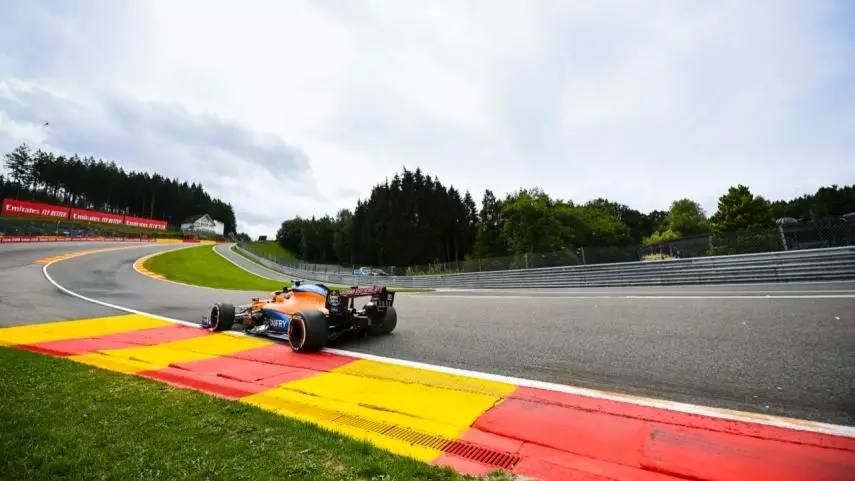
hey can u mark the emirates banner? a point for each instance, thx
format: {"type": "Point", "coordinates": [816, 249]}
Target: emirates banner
{"type": "Point", "coordinates": [21, 208]}
{"type": "Point", "coordinates": [146, 223]}
{"type": "Point", "coordinates": [80, 215]}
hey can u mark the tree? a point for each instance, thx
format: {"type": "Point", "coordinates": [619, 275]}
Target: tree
{"type": "Point", "coordinates": [656, 221]}
{"type": "Point", "coordinates": [743, 223]}
{"type": "Point", "coordinates": [530, 224]}
{"type": "Point", "coordinates": [489, 237]}
{"type": "Point", "coordinates": [341, 237]}
{"type": "Point", "coordinates": [638, 225]}
{"type": "Point", "coordinates": [660, 237]}
{"type": "Point", "coordinates": [740, 209]}
{"type": "Point", "coordinates": [594, 225]}
{"type": "Point", "coordinates": [290, 235]}
{"type": "Point", "coordinates": [91, 183]}
{"type": "Point", "coordinates": [832, 202]}
{"type": "Point", "coordinates": [19, 162]}
{"type": "Point", "coordinates": [686, 218]}
{"type": "Point", "coordinates": [412, 219]}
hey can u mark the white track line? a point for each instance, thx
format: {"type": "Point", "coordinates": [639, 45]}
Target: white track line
{"type": "Point", "coordinates": [247, 270]}
{"type": "Point", "coordinates": [755, 418]}
{"type": "Point", "coordinates": [261, 266]}
{"type": "Point", "coordinates": [107, 304]}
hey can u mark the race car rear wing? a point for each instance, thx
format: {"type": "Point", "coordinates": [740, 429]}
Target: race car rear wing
{"type": "Point", "coordinates": [362, 291]}
{"type": "Point", "coordinates": [381, 297]}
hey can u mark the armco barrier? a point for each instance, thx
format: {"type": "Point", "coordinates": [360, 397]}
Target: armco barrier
{"type": "Point", "coordinates": [836, 263]}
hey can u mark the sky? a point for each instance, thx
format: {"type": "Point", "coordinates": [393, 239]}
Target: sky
{"type": "Point", "coordinates": [286, 107]}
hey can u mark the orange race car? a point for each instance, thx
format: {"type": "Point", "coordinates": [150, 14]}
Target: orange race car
{"type": "Point", "coordinates": [309, 315]}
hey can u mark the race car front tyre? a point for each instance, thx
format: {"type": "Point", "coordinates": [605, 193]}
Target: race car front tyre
{"type": "Point", "coordinates": [385, 323]}
{"type": "Point", "coordinates": [222, 316]}
{"type": "Point", "coordinates": [308, 331]}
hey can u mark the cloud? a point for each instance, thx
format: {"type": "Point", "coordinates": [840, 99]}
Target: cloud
{"type": "Point", "coordinates": [248, 169]}
{"type": "Point", "coordinates": [640, 102]}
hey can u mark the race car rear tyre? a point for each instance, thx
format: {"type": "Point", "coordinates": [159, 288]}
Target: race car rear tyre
{"type": "Point", "coordinates": [222, 316]}
{"type": "Point", "coordinates": [308, 331]}
{"type": "Point", "coordinates": [385, 324]}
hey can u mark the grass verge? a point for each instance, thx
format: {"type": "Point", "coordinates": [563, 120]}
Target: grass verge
{"type": "Point", "coordinates": [64, 420]}
{"type": "Point", "coordinates": [201, 266]}
{"type": "Point", "coordinates": [270, 248]}
{"type": "Point", "coordinates": [335, 286]}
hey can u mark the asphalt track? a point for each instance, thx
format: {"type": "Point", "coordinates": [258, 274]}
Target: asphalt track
{"type": "Point", "coordinates": [775, 349]}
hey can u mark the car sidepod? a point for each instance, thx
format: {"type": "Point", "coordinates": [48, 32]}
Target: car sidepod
{"type": "Point", "coordinates": [277, 321]}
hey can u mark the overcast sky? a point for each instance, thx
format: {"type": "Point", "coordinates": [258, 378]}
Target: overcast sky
{"type": "Point", "coordinates": [287, 108]}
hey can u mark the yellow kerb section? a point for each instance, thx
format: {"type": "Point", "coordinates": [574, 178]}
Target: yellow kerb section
{"type": "Point", "coordinates": [169, 241]}
{"type": "Point", "coordinates": [56, 331]}
{"type": "Point", "coordinates": [135, 359]}
{"type": "Point", "coordinates": [139, 265]}
{"type": "Point", "coordinates": [369, 400]}
{"type": "Point", "coordinates": [410, 375]}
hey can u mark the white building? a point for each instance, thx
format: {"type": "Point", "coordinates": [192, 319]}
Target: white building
{"type": "Point", "coordinates": [202, 223]}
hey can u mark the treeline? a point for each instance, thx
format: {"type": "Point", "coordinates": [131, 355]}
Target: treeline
{"type": "Point", "coordinates": [87, 183]}
{"type": "Point", "coordinates": [412, 219]}
{"type": "Point", "coordinates": [416, 220]}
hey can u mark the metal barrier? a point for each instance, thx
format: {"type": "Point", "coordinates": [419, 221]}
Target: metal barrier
{"type": "Point", "coordinates": [837, 263]}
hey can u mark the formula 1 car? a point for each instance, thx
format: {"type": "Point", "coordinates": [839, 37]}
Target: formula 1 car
{"type": "Point", "coordinates": [309, 315]}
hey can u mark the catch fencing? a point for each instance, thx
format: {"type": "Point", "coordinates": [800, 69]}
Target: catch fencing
{"type": "Point", "coordinates": [836, 263]}
{"type": "Point", "coordinates": [784, 237]}
{"type": "Point", "coordinates": [797, 240]}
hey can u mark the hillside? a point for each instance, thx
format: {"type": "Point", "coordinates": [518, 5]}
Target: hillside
{"type": "Point", "coordinates": [270, 249]}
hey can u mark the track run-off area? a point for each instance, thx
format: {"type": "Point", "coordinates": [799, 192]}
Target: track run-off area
{"type": "Point", "coordinates": [661, 380]}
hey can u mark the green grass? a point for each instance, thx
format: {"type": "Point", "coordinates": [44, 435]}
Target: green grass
{"type": "Point", "coordinates": [69, 421]}
{"type": "Point", "coordinates": [335, 286]}
{"type": "Point", "coordinates": [201, 266]}
{"type": "Point", "coordinates": [270, 248]}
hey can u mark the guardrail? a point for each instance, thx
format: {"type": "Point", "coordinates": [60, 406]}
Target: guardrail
{"type": "Point", "coordinates": [837, 263]}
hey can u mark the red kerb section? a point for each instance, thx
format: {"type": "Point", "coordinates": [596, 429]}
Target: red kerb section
{"type": "Point", "coordinates": [492, 441]}
{"type": "Point", "coordinates": [282, 355]}
{"type": "Point", "coordinates": [699, 454]}
{"type": "Point", "coordinates": [634, 411]}
{"type": "Point", "coordinates": [565, 436]}
{"type": "Point", "coordinates": [597, 435]}
{"type": "Point", "coordinates": [552, 464]}
{"type": "Point", "coordinates": [247, 372]}
{"type": "Point", "coordinates": [210, 384]}
{"type": "Point", "coordinates": [262, 373]}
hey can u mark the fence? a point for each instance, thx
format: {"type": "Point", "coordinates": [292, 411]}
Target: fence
{"type": "Point", "coordinates": [785, 237]}
{"type": "Point", "coordinates": [783, 266]}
